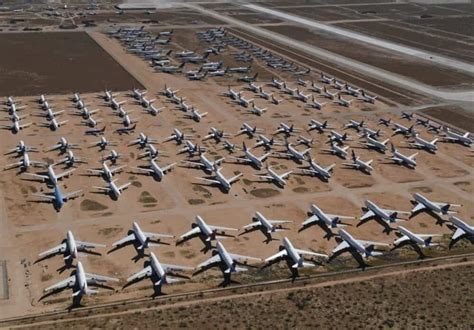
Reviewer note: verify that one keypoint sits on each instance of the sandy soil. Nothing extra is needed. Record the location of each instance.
(454, 115)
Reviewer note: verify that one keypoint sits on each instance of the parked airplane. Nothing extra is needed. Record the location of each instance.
(63, 145)
(302, 97)
(112, 189)
(337, 150)
(286, 129)
(155, 170)
(359, 164)
(315, 104)
(57, 198)
(25, 163)
(178, 136)
(293, 153)
(277, 83)
(126, 130)
(112, 157)
(328, 94)
(357, 125)
(250, 158)
(204, 163)
(267, 226)
(138, 94)
(49, 114)
(21, 148)
(385, 122)
(50, 176)
(109, 95)
(314, 169)
(70, 247)
(195, 115)
(103, 143)
(401, 129)
(16, 126)
(115, 105)
(256, 110)
(220, 180)
(421, 143)
(142, 239)
(407, 115)
(316, 125)
(143, 140)
(371, 143)
(462, 229)
(401, 159)
(451, 136)
(336, 137)
(70, 160)
(244, 102)
(422, 203)
(326, 79)
(249, 130)
(327, 221)
(423, 240)
(276, 101)
(206, 231)
(54, 124)
(272, 176)
(368, 98)
(95, 131)
(105, 172)
(364, 248)
(191, 148)
(266, 142)
(372, 211)
(343, 102)
(216, 134)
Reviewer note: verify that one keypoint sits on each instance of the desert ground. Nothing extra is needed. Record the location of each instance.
(169, 206)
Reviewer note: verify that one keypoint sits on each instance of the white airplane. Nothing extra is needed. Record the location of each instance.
(359, 164)
(121, 112)
(103, 143)
(204, 162)
(178, 136)
(421, 143)
(372, 143)
(158, 270)
(250, 158)
(288, 90)
(86, 113)
(267, 226)
(70, 160)
(368, 98)
(315, 104)
(25, 163)
(143, 239)
(352, 90)
(152, 110)
(316, 88)
(216, 134)
(244, 102)
(57, 198)
(108, 95)
(113, 189)
(305, 141)
(423, 240)
(286, 129)
(320, 217)
(337, 150)
(301, 97)
(142, 140)
(112, 157)
(276, 101)
(357, 125)
(155, 170)
(106, 172)
(424, 204)
(191, 148)
(221, 180)
(266, 142)
(328, 94)
(337, 137)
(277, 83)
(339, 84)
(249, 130)
(232, 94)
(256, 110)
(76, 97)
(127, 121)
(373, 211)
(316, 125)
(229, 146)
(168, 92)
(21, 148)
(81, 280)
(254, 88)
(54, 124)
(16, 126)
(451, 136)
(70, 247)
(401, 129)
(278, 179)
(115, 105)
(137, 94)
(208, 232)
(314, 168)
(343, 102)
(288, 251)
(49, 114)
(51, 176)
(302, 82)
(195, 115)
(401, 159)
(293, 153)
(91, 122)
(264, 95)
(365, 248)
(151, 152)
(63, 145)
(370, 132)
(462, 229)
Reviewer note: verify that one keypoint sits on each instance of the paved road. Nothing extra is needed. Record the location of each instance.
(466, 96)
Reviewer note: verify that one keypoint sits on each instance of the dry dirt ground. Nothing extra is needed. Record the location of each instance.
(171, 205)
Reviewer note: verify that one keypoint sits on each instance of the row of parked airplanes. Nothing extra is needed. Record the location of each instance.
(229, 263)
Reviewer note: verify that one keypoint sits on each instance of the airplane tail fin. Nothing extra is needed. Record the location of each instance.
(393, 216)
(369, 250)
(428, 241)
(445, 209)
(335, 222)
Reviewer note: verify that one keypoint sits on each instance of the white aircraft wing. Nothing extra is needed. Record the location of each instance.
(396, 211)
(277, 222)
(155, 235)
(192, 163)
(209, 180)
(367, 215)
(88, 245)
(145, 272)
(66, 173)
(311, 219)
(118, 168)
(44, 177)
(124, 186)
(252, 225)
(99, 278)
(72, 194)
(70, 281)
(341, 246)
(192, 232)
(342, 217)
(310, 253)
(50, 197)
(126, 239)
(57, 249)
(222, 228)
(166, 168)
(367, 243)
(278, 255)
(404, 238)
(175, 267)
(148, 170)
(418, 208)
(266, 177)
(210, 261)
(242, 257)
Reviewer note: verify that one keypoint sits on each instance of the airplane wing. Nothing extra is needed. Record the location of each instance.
(311, 219)
(175, 267)
(166, 168)
(404, 238)
(266, 177)
(72, 194)
(367, 215)
(341, 246)
(222, 228)
(241, 257)
(83, 245)
(57, 249)
(396, 211)
(252, 225)
(44, 177)
(155, 235)
(145, 272)
(239, 159)
(49, 197)
(66, 173)
(458, 233)
(148, 170)
(124, 240)
(277, 222)
(418, 208)
(70, 281)
(99, 278)
(285, 175)
(192, 232)
(311, 253)
(118, 168)
(210, 261)
(124, 186)
(367, 243)
(209, 180)
(280, 254)
(192, 163)
(235, 178)
(342, 217)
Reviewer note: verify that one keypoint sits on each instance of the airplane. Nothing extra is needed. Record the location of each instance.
(364, 248)
(157, 270)
(316, 125)
(115, 105)
(359, 164)
(70, 247)
(302, 82)
(276, 101)
(316, 88)
(16, 126)
(315, 104)
(244, 102)
(21, 148)
(95, 131)
(53, 124)
(278, 179)
(216, 134)
(337, 150)
(146, 103)
(293, 255)
(105, 172)
(318, 216)
(91, 122)
(462, 229)
(277, 83)
(112, 157)
(151, 152)
(86, 113)
(108, 95)
(229, 261)
(368, 98)
(451, 136)
(57, 198)
(49, 114)
(143, 239)
(401, 129)
(423, 240)
(25, 163)
(357, 125)
(168, 92)
(191, 148)
(240, 69)
(103, 143)
(288, 90)
(137, 94)
(352, 90)
(421, 143)
(401, 159)
(229, 146)
(373, 211)
(256, 110)
(248, 79)
(232, 94)
(264, 141)
(302, 72)
(250, 158)
(81, 280)
(171, 69)
(339, 84)
(302, 97)
(253, 88)
(343, 102)
(204, 162)
(267, 226)
(249, 130)
(286, 129)
(305, 141)
(195, 115)
(126, 130)
(51, 176)
(221, 180)
(155, 170)
(422, 203)
(112, 188)
(370, 132)
(206, 231)
(121, 112)
(70, 160)
(63, 145)
(385, 122)
(293, 153)
(76, 97)
(143, 140)
(197, 76)
(407, 115)
(372, 143)
(266, 95)
(314, 168)
(336, 137)
(328, 94)
(178, 136)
